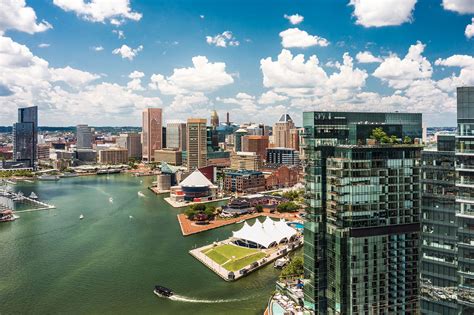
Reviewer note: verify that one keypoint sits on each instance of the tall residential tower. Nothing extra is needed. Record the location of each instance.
(196, 143)
(152, 133)
(25, 136)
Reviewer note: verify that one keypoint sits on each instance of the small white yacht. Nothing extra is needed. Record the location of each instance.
(140, 194)
(81, 217)
(33, 195)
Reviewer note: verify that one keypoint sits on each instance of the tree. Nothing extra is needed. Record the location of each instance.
(378, 134)
(294, 268)
(287, 207)
(407, 140)
(259, 208)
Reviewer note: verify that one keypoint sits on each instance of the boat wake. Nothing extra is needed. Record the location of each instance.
(186, 299)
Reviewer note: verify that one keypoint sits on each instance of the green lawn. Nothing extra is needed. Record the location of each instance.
(233, 257)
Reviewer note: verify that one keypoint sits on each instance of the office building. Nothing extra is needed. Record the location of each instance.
(245, 161)
(214, 119)
(152, 133)
(465, 198)
(169, 156)
(439, 228)
(281, 131)
(337, 139)
(239, 134)
(282, 156)
(212, 139)
(113, 156)
(176, 135)
(84, 137)
(131, 142)
(25, 136)
(43, 151)
(244, 181)
(196, 143)
(294, 140)
(257, 144)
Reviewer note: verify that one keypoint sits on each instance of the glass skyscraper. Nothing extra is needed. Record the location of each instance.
(339, 229)
(25, 136)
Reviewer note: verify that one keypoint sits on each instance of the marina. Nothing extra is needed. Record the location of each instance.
(110, 263)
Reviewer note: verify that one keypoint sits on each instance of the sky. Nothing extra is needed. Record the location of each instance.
(101, 62)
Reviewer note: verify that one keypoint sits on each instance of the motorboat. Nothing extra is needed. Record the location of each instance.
(162, 291)
(7, 216)
(281, 262)
(111, 200)
(66, 175)
(33, 195)
(81, 217)
(141, 194)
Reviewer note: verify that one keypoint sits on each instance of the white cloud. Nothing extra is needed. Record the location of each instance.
(347, 77)
(469, 32)
(294, 18)
(294, 37)
(127, 52)
(399, 73)
(188, 103)
(28, 79)
(459, 6)
(116, 11)
(377, 13)
(43, 45)
(97, 48)
(136, 75)
(466, 74)
(120, 34)
(15, 15)
(292, 72)
(203, 76)
(72, 77)
(202, 16)
(271, 97)
(367, 57)
(223, 40)
(136, 83)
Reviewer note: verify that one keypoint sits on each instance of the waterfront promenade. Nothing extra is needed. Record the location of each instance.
(189, 227)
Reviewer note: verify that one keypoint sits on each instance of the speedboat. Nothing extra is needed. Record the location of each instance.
(141, 194)
(111, 200)
(7, 216)
(280, 263)
(162, 291)
(81, 217)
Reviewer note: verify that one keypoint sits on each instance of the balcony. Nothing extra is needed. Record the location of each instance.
(465, 214)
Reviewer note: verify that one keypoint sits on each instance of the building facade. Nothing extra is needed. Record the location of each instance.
(25, 136)
(439, 227)
(323, 132)
(257, 144)
(113, 156)
(239, 134)
(131, 142)
(245, 161)
(84, 137)
(196, 143)
(282, 156)
(170, 156)
(152, 133)
(281, 131)
(244, 181)
(176, 135)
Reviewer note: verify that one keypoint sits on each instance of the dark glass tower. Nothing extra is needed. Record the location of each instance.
(324, 133)
(25, 136)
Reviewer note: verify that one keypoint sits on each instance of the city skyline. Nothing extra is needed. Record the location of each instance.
(136, 56)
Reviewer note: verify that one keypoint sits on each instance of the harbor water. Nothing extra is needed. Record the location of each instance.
(109, 262)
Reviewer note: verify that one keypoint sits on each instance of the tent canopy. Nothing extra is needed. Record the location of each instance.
(265, 234)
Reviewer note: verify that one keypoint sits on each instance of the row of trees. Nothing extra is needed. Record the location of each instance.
(381, 136)
(10, 173)
(289, 206)
(200, 212)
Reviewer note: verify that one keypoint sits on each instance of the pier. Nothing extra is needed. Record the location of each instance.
(10, 200)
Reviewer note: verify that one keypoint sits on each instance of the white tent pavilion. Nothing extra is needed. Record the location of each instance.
(264, 235)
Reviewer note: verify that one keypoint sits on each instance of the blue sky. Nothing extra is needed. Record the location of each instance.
(379, 55)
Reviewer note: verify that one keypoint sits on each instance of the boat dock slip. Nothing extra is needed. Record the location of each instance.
(263, 258)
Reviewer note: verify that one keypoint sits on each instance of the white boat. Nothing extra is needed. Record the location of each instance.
(111, 200)
(281, 262)
(130, 217)
(81, 217)
(33, 195)
(141, 194)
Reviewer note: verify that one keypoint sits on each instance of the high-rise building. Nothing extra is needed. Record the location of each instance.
(176, 135)
(84, 137)
(131, 142)
(281, 131)
(465, 198)
(113, 156)
(152, 133)
(25, 136)
(439, 228)
(238, 139)
(257, 144)
(214, 119)
(380, 218)
(196, 143)
(282, 156)
(294, 140)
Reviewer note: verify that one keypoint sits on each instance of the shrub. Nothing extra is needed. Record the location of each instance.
(287, 207)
